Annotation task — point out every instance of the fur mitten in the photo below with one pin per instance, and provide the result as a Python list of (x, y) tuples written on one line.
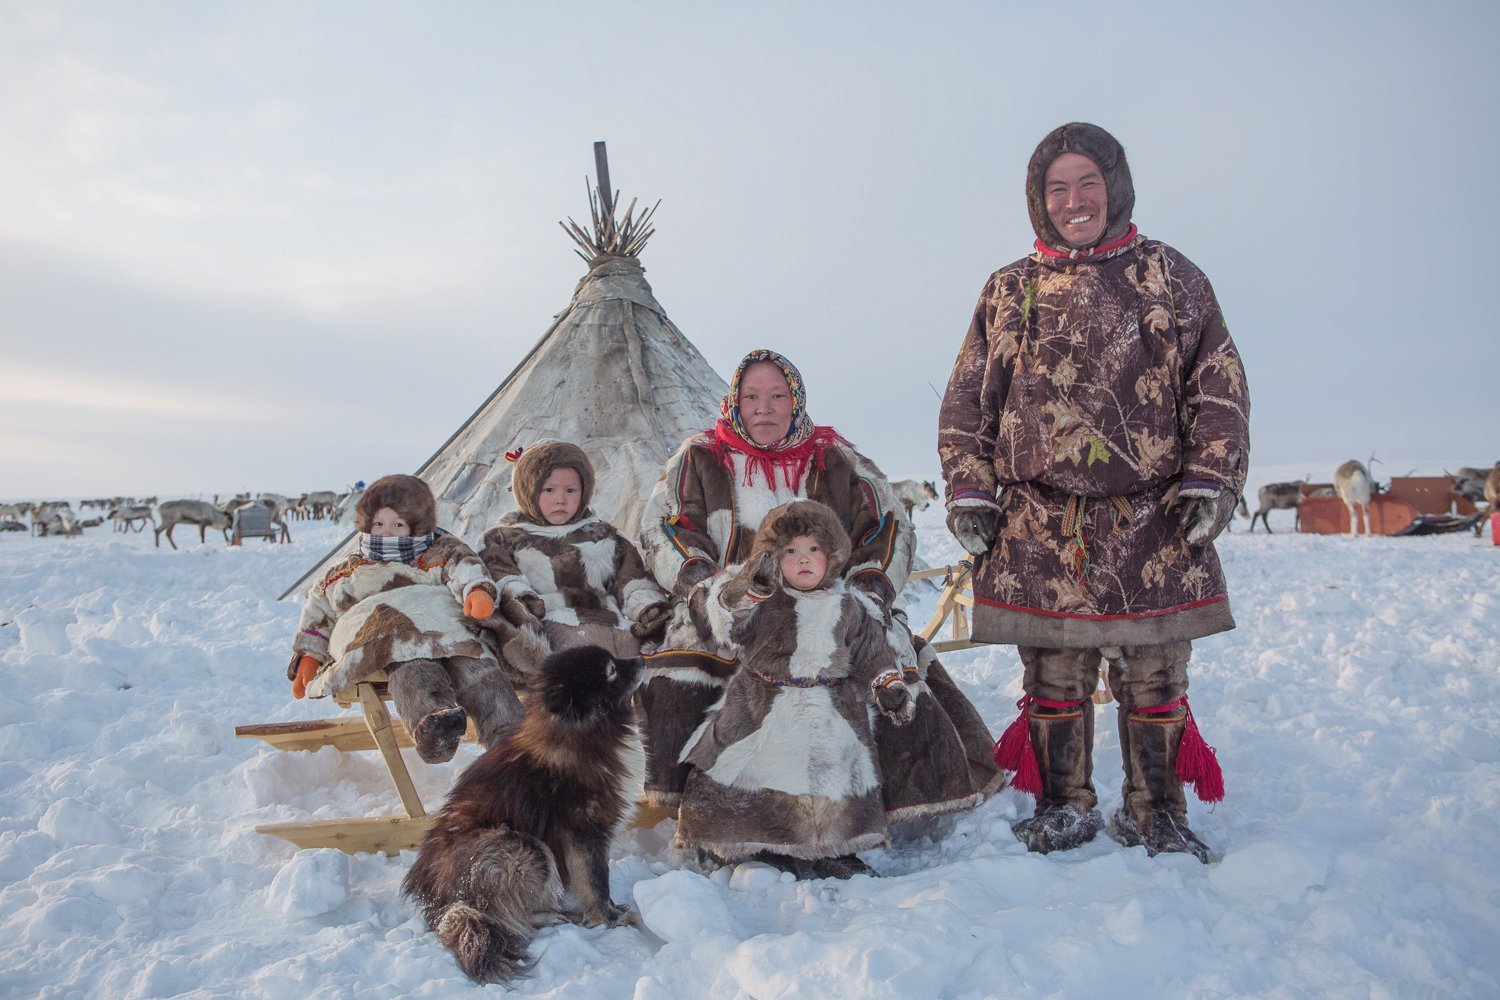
[(975, 528), (692, 573), (894, 698), (523, 609), (307, 669), (652, 622), (877, 585), (757, 579), (1204, 510)]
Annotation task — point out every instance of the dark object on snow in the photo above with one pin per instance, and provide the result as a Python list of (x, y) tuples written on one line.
[(1442, 524)]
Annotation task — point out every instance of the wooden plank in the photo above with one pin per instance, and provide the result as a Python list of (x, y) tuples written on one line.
[(347, 733), (367, 835), (379, 721)]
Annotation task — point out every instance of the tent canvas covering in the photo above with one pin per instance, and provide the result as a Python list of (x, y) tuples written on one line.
[(613, 375)]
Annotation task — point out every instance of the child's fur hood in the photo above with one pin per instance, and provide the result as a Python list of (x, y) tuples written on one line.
[(408, 496), (804, 517), (536, 463)]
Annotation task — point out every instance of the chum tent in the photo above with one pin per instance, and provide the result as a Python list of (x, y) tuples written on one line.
[(612, 374)]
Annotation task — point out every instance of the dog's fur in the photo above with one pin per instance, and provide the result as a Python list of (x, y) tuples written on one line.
[(535, 816)]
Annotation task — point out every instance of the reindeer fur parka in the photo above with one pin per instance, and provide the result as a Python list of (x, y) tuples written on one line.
[(787, 762), (365, 616), (702, 515), (589, 577)]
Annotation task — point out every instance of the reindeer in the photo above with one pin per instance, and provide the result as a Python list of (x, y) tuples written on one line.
[(200, 512), (1277, 496), (1468, 482), (913, 494), (132, 517), (1352, 483), (321, 502), (1491, 497), (346, 505)]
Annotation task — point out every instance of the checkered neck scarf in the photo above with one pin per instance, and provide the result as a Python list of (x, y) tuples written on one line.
[(400, 548)]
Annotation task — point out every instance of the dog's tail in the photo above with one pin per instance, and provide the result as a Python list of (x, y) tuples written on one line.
[(485, 948)]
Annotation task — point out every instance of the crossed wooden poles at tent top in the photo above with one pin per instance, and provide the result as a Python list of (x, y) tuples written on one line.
[(623, 239)]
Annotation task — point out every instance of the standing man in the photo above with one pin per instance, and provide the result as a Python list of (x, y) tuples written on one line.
[(1094, 438)]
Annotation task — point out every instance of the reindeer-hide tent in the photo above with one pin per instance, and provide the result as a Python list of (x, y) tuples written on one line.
[(612, 374)]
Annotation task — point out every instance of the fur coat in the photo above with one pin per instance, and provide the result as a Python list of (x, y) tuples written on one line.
[(365, 616), (706, 512), (1087, 391), (786, 762), (589, 577)]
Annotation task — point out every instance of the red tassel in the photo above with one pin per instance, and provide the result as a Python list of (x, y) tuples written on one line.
[(1198, 764), (1014, 752)]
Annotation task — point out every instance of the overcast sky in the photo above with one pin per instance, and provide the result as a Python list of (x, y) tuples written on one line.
[(285, 246)]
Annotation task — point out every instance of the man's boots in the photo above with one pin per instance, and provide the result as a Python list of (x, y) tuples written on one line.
[(1065, 817), (1154, 814)]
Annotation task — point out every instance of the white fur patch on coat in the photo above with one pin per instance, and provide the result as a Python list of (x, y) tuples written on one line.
[(803, 747)]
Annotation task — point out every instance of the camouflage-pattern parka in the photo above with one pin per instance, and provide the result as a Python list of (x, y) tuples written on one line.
[(1088, 389)]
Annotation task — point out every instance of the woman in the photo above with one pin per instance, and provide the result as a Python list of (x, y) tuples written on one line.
[(701, 522)]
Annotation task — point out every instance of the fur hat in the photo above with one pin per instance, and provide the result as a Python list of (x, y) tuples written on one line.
[(1099, 146), (805, 517), (408, 496), (536, 463)]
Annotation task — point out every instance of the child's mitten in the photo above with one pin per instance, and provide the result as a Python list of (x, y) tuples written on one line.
[(523, 609), (652, 621), (479, 604), (893, 698), (307, 669)]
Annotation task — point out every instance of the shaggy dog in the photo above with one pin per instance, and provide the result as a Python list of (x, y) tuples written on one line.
[(529, 824)]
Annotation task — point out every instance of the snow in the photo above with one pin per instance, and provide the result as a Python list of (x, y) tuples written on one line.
[(1356, 712)]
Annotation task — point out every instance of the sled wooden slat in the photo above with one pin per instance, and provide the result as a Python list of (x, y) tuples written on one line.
[(372, 729), (368, 835)]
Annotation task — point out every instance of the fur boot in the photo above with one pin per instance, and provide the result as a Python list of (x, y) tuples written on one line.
[(1065, 817), (1154, 813)]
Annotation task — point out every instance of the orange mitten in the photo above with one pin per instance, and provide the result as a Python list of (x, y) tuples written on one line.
[(479, 604), (307, 669)]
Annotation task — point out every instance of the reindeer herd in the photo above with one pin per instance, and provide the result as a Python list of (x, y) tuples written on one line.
[(125, 514)]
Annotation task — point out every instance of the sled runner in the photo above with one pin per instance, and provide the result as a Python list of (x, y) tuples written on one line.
[(373, 730)]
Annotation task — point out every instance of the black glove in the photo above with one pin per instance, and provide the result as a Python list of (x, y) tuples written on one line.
[(1204, 517), (975, 528)]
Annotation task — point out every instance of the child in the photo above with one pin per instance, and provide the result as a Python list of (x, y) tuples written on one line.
[(784, 772), (406, 603), (555, 561)]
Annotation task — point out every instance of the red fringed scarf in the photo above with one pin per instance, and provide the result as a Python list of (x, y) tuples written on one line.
[(793, 462)]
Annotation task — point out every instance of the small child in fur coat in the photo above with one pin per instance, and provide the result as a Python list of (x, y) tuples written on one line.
[(785, 771), (561, 569), (407, 603)]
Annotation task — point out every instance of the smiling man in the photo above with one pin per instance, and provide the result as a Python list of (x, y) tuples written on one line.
[(1094, 438)]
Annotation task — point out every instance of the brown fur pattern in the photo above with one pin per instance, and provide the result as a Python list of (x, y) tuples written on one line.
[(533, 817), (408, 496), (536, 463), (1099, 146)]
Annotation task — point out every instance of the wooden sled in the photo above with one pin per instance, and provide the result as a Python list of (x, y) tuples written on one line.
[(954, 605), (373, 730)]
